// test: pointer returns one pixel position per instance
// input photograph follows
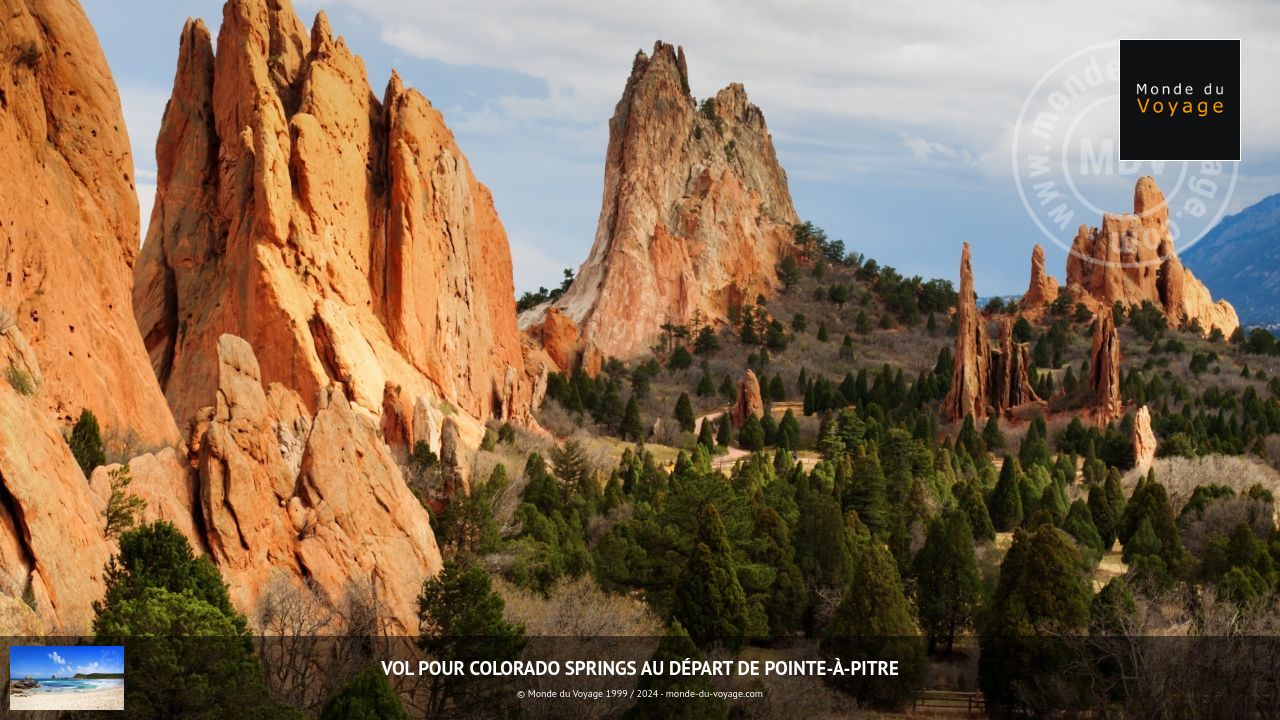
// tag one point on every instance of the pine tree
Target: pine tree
(691, 696)
(991, 434)
(728, 390)
(1113, 610)
(1079, 525)
(1042, 595)
(751, 434)
(706, 438)
(367, 696)
(787, 596)
(1005, 503)
(86, 443)
(823, 334)
(948, 586)
(461, 618)
(777, 390)
(631, 427)
(684, 413)
(724, 433)
(706, 386)
(874, 620)
(866, 494)
(708, 599)
(969, 500)
(788, 432)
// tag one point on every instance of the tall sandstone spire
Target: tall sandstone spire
(341, 235)
(1131, 259)
(968, 393)
(696, 212)
(1104, 369)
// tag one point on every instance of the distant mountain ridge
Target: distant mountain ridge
(1240, 259)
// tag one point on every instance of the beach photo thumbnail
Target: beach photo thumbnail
(66, 677)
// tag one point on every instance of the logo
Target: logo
(1068, 168)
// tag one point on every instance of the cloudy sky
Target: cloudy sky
(894, 121)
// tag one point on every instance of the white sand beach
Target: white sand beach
(107, 698)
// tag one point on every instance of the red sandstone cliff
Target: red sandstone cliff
(1131, 259)
(696, 212)
(69, 221)
(342, 235)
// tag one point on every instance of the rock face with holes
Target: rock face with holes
(341, 234)
(1104, 370)
(1130, 259)
(319, 497)
(69, 223)
(696, 212)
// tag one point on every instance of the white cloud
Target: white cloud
(93, 667)
(960, 68)
(57, 659)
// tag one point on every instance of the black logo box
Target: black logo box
(1181, 64)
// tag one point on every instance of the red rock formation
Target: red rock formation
(1144, 440)
(1043, 289)
(1104, 370)
(1009, 385)
(749, 400)
(320, 498)
(1131, 259)
(559, 336)
(968, 393)
(696, 212)
(69, 233)
(52, 548)
(343, 236)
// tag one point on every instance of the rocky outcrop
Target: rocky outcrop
(1042, 291)
(69, 234)
(696, 212)
(1104, 370)
(1009, 385)
(1144, 440)
(1131, 259)
(164, 481)
(968, 393)
(318, 497)
(52, 544)
(560, 338)
(455, 474)
(749, 402)
(343, 236)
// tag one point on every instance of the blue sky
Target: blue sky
(893, 120)
(64, 660)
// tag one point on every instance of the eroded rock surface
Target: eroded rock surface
(696, 212)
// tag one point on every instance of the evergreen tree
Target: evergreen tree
(190, 654)
(948, 586)
(691, 695)
(777, 390)
(788, 432)
(787, 596)
(728, 390)
(86, 443)
(367, 696)
(461, 619)
(991, 435)
(1079, 525)
(631, 427)
(1113, 610)
(724, 433)
(874, 621)
(1042, 595)
(751, 434)
(684, 413)
(1005, 503)
(1150, 502)
(706, 438)
(706, 386)
(823, 334)
(866, 496)
(708, 598)
(969, 501)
